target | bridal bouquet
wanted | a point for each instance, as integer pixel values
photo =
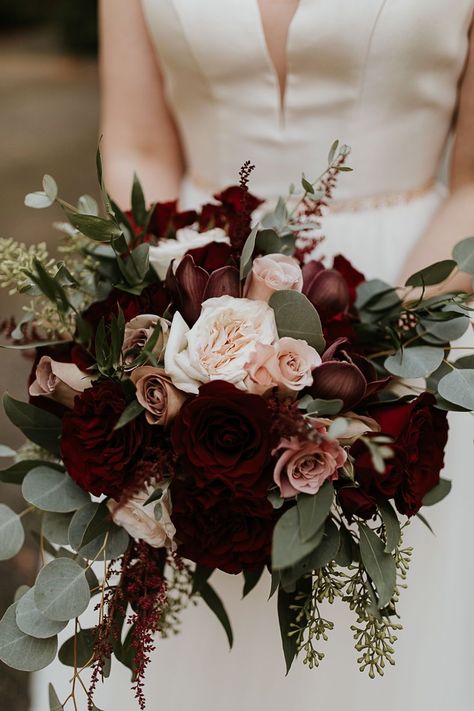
(207, 393)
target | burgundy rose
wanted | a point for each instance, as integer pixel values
(420, 433)
(233, 214)
(99, 459)
(230, 535)
(166, 219)
(202, 274)
(222, 440)
(154, 299)
(354, 501)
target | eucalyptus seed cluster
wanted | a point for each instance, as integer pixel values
(16, 258)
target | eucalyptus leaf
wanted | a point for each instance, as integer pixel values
(324, 408)
(370, 291)
(17, 472)
(443, 331)
(247, 252)
(213, 601)
(12, 535)
(80, 646)
(463, 253)
(87, 205)
(117, 538)
(38, 200)
(438, 493)
(391, 524)
(50, 187)
(36, 424)
(288, 548)
(50, 490)
(434, 274)
(458, 387)
(56, 526)
(54, 702)
(98, 524)
(379, 565)
(269, 242)
(313, 510)
(306, 326)
(21, 651)
(61, 590)
(32, 622)
(414, 362)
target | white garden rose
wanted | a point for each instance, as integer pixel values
(220, 343)
(162, 254)
(139, 520)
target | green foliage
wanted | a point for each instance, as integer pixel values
(12, 535)
(438, 493)
(21, 651)
(307, 326)
(32, 622)
(37, 425)
(61, 590)
(414, 362)
(434, 274)
(313, 510)
(247, 252)
(379, 565)
(458, 387)
(51, 490)
(213, 601)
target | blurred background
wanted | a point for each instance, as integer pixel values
(48, 124)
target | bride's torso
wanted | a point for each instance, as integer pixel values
(276, 85)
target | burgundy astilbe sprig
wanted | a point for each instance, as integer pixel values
(287, 418)
(147, 593)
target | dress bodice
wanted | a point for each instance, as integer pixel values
(382, 75)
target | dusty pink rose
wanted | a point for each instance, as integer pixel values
(138, 331)
(139, 520)
(303, 467)
(59, 381)
(287, 365)
(271, 273)
(157, 394)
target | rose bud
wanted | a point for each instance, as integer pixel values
(328, 292)
(59, 381)
(271, 273)
(190, 285)
(303, 467)
(138, 332)
(336, 380)
(156, 393)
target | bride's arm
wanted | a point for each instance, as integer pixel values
(455, 218)
(138, 130)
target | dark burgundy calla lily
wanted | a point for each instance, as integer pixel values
(326, 289)
(345, 375)
(190, 285)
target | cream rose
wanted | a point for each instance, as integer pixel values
(303, 467)
(140, 523)
(271, 273)
(138, 331)
(162, 254)
(157, 394)
(59, 381)
(287, 365)
(219, 344)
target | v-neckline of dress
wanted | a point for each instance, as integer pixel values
(281, 90)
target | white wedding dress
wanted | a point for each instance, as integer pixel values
(383, 76)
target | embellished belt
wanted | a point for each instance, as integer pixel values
(373, 202)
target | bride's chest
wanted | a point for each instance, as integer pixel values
(339, 41)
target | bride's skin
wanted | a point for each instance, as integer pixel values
(139, 132)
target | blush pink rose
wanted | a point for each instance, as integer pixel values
(138, 332)
(287, 365)
(138, 519)
(271, 273)
(157, 394)
(303, 467)
(59, 381)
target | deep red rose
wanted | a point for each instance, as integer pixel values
(99, 459)
(420, 433)
(232, 213)
(355, 501)
(229, 535)
(154, 299)
(222, 439)
(166, 219)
